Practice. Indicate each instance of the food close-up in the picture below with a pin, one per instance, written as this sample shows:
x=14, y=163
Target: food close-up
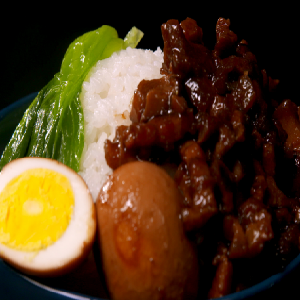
x=167, y=174
x=48, y=220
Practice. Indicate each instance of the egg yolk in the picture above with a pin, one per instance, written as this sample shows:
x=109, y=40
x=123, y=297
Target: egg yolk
x=35, y=209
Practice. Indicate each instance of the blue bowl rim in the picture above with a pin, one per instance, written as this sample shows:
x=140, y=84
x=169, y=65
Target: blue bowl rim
x=244, y=294
x=24, y=100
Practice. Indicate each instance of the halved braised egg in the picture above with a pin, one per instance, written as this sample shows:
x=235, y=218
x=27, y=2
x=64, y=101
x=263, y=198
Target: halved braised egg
x=47, y=217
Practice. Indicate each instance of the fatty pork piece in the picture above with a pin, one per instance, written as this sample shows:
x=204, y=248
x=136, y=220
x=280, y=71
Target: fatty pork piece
x=145, y=253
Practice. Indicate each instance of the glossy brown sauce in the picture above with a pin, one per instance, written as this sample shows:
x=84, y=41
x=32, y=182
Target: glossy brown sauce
x=213, y=115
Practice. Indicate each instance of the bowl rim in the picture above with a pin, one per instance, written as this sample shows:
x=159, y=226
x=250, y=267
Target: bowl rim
x=62, y=294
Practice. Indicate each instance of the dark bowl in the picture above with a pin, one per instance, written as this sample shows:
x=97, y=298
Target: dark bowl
x=14, y=285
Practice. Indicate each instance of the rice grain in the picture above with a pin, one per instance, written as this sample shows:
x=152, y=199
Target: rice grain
x=106, y=99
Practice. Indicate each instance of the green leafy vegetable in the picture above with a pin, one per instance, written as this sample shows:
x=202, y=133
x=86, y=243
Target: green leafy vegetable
x=18, y=143
x=133, y=37
x=53, y=125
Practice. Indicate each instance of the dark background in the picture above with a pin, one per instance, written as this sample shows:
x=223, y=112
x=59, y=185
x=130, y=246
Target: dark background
x=34, y=40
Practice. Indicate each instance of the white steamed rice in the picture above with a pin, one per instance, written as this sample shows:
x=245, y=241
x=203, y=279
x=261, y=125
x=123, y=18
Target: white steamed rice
x=106, y=99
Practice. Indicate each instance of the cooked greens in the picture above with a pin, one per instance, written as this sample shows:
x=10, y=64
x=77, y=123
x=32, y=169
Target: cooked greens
x=53, y=125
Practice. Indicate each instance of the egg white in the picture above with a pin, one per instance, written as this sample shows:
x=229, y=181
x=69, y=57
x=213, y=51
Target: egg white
x=76, y=242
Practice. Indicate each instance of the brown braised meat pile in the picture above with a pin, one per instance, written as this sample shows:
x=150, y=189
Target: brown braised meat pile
x=214, y=115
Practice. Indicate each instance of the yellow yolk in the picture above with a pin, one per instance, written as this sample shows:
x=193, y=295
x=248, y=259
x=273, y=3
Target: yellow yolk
x=35, y=209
